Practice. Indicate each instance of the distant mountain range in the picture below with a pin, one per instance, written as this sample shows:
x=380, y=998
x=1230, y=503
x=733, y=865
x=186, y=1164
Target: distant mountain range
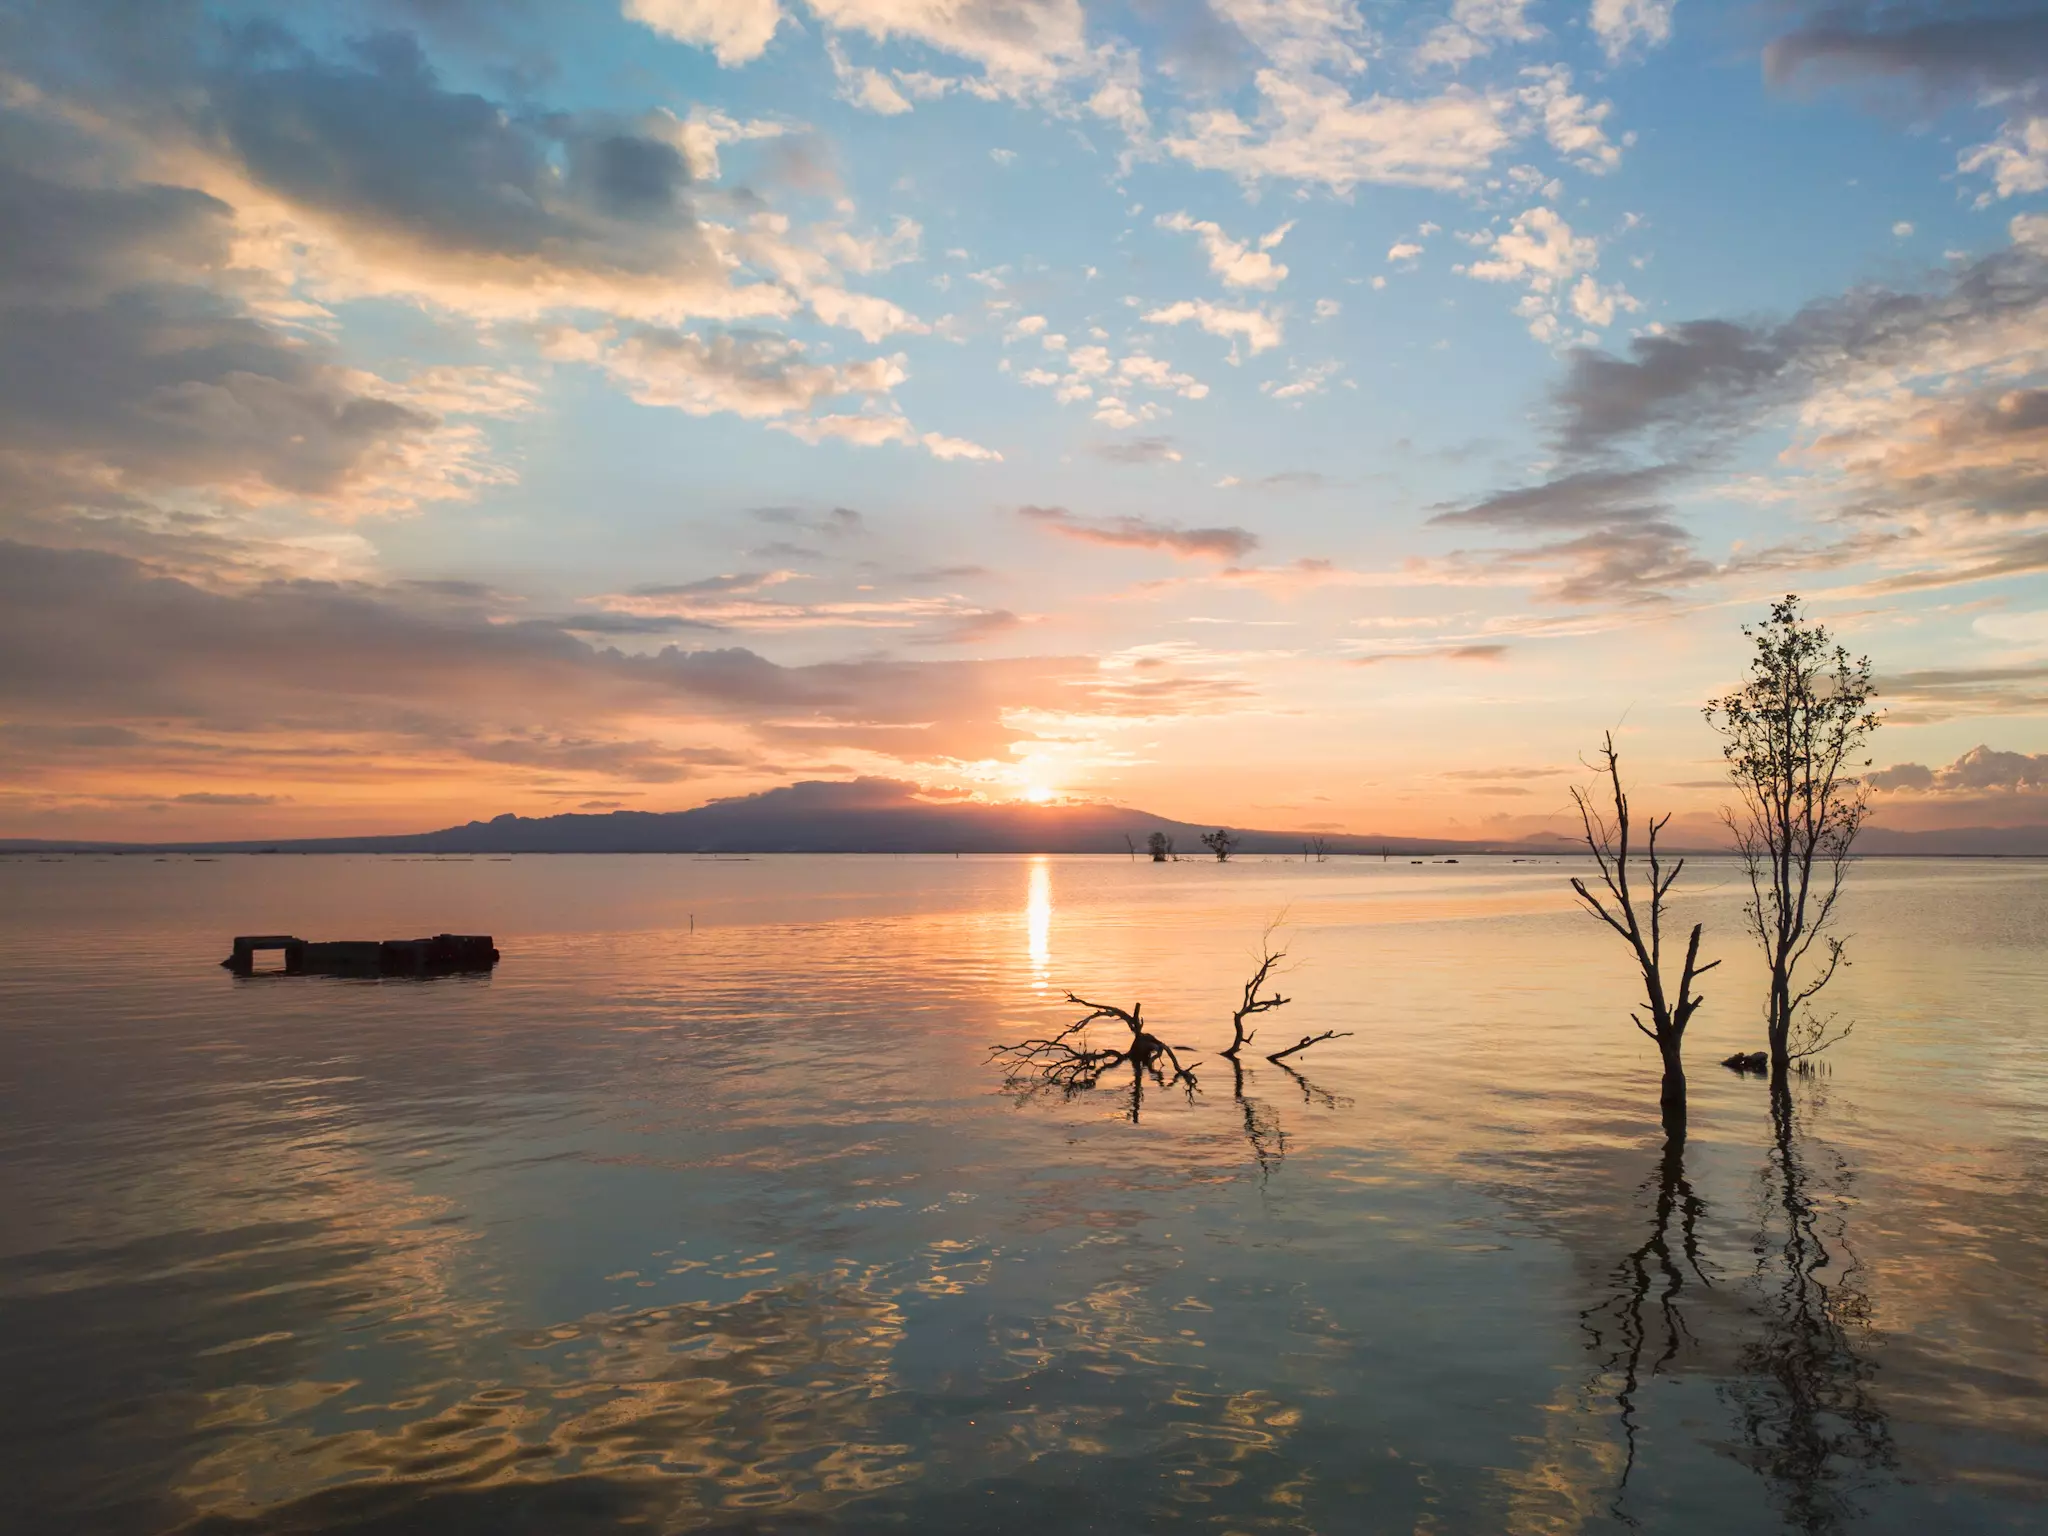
x=891, y=816
x=846, y=816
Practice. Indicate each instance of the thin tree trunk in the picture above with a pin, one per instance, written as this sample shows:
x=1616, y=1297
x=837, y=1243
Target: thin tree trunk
x=1780, y=1023
x=1671, y=1100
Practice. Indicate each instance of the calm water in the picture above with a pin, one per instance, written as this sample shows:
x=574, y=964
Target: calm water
x=737, y=1230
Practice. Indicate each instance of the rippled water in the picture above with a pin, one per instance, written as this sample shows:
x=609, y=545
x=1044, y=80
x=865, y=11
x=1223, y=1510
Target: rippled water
x=707, y=1212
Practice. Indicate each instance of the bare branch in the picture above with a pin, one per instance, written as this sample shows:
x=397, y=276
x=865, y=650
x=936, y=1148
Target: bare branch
x=1308, y=1040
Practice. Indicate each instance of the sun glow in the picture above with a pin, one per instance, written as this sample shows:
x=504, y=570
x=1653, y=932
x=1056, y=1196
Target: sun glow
x=1037, y=794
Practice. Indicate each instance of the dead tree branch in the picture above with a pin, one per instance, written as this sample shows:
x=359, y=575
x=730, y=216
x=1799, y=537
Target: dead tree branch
x=1308, y=1040
x=1252, y=1004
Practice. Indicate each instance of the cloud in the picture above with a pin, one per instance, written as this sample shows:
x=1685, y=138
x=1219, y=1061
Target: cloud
x=206, y=797
x=1240, y=264
x=1977, y=771
x=1596, y=304
x=750, y=373
x=1540, y=249
x=838, y=523
x=1622, y=544
x=2016, y=161
x=736, y=31
x=1504, y=773
x=1938, y=53
x=1473, y=652
x=1940, y=49
x=352, y=171
x=1258, y=329
x=1625, y=27
x=1475, y=28
x=1571, y=123
x=1019, y=44
x=1934, y=694
x=872, y=319
x=136, y=372
x=1139, y=450
x=1311, y=129
x=1699, y=369
x=97, y=640
x=1144, y=533
x=975, y=628
x=1587, y=498
x=1303, y=382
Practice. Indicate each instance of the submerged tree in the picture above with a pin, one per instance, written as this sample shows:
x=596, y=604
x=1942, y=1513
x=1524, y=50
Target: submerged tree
x=1069, y=1063
x=1797, y=730
x=1670, y=1009
x=1161, y=847
x=1250, y=1005
x=1222, y=842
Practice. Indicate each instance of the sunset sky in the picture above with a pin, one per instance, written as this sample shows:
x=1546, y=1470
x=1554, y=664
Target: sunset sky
x=1295, y=413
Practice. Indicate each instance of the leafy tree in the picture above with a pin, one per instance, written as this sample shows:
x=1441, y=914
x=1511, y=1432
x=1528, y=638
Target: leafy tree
x=1222, y=842
x=1796, y=732
x=1161, y=846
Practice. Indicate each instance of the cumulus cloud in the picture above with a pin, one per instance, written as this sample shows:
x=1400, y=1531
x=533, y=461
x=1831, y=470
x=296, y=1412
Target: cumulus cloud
x=749, y=373
x=1310, y=128
x=1240, y=264
x=1255, y=327
x=1145, y=533
x=1625, y=27
x=1475, y=28
x=1540, y=249
x=2016, y=161
x=867, y=87
x=736, y=31
x=761, y=375
x=1572, y=123
x=1978, y=771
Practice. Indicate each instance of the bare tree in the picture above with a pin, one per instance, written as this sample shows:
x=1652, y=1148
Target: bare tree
x=1253, y=1004
x=1161, y=846
x=1321, y=845
x=1222, y=842
x=1068, y=1063
x=1609, y=843
x=1797, y=730
x=1131, y=846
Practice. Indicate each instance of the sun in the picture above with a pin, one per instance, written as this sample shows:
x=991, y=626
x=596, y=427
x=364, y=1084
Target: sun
x=1038, y=794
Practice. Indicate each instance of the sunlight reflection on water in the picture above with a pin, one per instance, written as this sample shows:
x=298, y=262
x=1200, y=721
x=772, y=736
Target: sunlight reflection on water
x=1038, y=918
x=684, y=1230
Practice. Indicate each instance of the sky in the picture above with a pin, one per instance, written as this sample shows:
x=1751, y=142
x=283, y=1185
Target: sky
x=1311, y=414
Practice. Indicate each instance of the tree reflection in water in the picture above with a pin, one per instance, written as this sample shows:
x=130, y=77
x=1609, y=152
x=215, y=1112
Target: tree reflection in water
x=1799, y=1378
x=1804, y=1400
x=1640, y=1329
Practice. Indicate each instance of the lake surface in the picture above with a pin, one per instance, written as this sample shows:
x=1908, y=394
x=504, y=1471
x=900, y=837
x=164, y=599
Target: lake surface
x=707, y=1212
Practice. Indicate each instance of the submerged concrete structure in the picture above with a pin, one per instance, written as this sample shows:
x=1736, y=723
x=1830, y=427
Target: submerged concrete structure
x=443, y=954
